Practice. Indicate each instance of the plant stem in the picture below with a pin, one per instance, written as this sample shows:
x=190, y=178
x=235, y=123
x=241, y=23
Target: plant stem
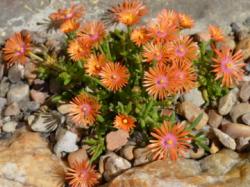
x=36, y=57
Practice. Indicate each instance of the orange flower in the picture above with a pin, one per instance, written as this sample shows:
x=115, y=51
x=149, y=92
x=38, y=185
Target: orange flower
x=185, y=77
x=185, y=21
x=139, y=36
x=129, y=12
x=170, y=141
x=69, y=26
x=94, y=64
x=183, y=50
x=216, y=33
x=81, y=174
x=17, y=48
x=228, y=67
x=124, y=122
x=93, y=31
x=158, y=81
x=78, y=49
x=75, y=12
x=169, y=16
x=114, y=76
x=84, y=109
x=162, y=31
x=154, y=52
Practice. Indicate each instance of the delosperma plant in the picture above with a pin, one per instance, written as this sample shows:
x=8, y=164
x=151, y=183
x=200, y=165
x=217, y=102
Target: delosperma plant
x=124, y=78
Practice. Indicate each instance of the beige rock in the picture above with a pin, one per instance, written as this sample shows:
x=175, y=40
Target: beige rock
x=26, y=160
x=226, y=103
x=245, y=91
x=244, y=45
x=197, y=154
x=214, y=119
x=191, y=112
x=127, y=152
x=236, y=130
x=214, y=148
x=142, y=156
x=77, y=156
x=225, y=139
x=38, y=96
x=64, y=109
x=246, y=118
x=243, y=144
x=239, y=110
x=116, y=139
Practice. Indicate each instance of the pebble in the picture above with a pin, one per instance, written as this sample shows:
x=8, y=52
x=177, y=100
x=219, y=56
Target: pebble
x=3, y=102
x=225, y=139
x=245, y=91
x=244, y=45
x=127, y=152
x=1, y=71
x=4, y=87
x=226, y=103
x=18, y=92
x=243, y=144
x=142, y=156
x=16, y=73
x=195, y=97
x=214, y=148
x=239, y=110
x=246, y=118
x=38, y=96
x=116, y=139
x=236, y=130
x=9, y=126
x=12, y=109
x=64, y=109
x=77, y=156
x=197, y=154
x=214, y=119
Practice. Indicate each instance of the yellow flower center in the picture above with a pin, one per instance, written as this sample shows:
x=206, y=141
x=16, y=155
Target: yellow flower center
x=127, y=18
x=170, y=142
x=125, y=121
x=229, y=65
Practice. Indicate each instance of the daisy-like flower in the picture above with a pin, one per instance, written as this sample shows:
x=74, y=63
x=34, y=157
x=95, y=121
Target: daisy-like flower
x=155, y=52
x=124, y=122
x=17, y=48
x=78, y=49
x=185, y=21
x=170, y=141
x=84, y=109
x=228, y=66
x=216, y=33
x=81, y=174
x=129, y=12
x=185, y=77
x=169, y=16
x=183, y=50
x=69, y=26
x=158, y=81
x=139, y=36
x=114, y=76
x=94, y=64
x=93, y=31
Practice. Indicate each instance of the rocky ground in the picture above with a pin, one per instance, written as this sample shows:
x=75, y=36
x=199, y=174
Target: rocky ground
x=30, y=150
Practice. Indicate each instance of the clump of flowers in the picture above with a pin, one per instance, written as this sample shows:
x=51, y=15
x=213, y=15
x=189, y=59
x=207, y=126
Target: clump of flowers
x=124, y=79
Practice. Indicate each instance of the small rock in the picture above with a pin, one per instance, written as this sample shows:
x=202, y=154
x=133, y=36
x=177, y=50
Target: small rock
x=214, y=119
x=226, y=103
x=18, y=93
x=246, y=118
x=229, y=42
x=195, y=97
x=214, y=148
x=1, y=71
x=202, y=36
x=244, y=45
x=3, y=102
x=197, y=154
x=127, y=152
x=16, y=73
x=30, y=106
x=114, y=165
x=12, y=109
x=236, y=130
x=30, y=72
x=54, y=86
x=77, y=156
x=239, y=110
x=9, y=126
x=64, y=109
x=243, y=144
x=38, y=37
x=66, y=143
x=38, y=96
x=191, y=112
x=4, y=87
x=225, y=139
x=245, y=91
x=116, y=139
x=142, y=156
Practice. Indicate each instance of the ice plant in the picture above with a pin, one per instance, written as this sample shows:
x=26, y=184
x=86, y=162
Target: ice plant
x=170, y=141
x=129, y=12
x=114, y=76
x=185, y=21
x=124, y=122
x=155, y=52
x=17, y=48
x=228, y=66
x=158, y=81
x=78, y=49
x=94, y=64
x=169, y=16
x=83, y=110
x=139, y=36
x=216, y=33
x=81, y=174
x=183, y=49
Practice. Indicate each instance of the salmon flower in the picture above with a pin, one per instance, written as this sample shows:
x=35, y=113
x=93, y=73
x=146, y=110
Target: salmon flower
x=228, y=66
x=69, y=26
x=158, y=81
x=216, y=33
x=185, y=21
x=169, y=16
x=183, y=50
x=94, y=64
x=155, y=52
x=78, y=49
x=81, y=174
x=114, y=76
x=17, y=48
x=170, y=141
x=129, y=12
x=139, y=36
x=83, y=110
x=124, y=122
x=93, y=32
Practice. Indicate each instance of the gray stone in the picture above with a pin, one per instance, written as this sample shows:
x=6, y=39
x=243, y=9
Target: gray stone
x=12, y=109
x=127, y=152
x=226, y=103
x=3, y=102
x=239, y=110
x=4, y=87
x=225, y=139
x=245, y=91
x=18, y=92
x=243, y=144
x=214, y=119
x=29, y=106
x=142, y=156
x=195, y=97
x=15, y=73
x=1, y=71
x=10, y=126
